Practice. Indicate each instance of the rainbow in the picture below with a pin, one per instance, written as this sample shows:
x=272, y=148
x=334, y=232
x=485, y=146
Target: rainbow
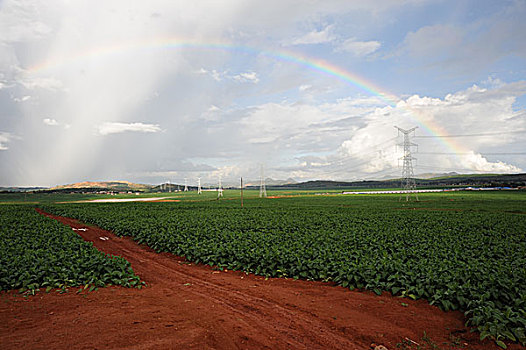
x=318, y=65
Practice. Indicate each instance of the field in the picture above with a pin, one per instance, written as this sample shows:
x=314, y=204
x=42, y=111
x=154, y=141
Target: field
x=40, y=253
x=461, y=251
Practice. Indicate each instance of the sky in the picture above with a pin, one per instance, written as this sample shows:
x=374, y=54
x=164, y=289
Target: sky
x=156, y=91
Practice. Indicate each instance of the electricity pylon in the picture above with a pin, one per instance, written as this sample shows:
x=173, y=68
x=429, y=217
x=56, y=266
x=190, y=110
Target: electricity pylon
x=262, y=187
x=199, y=191
x=220, y=189
x=408, y=180
x=185, y=185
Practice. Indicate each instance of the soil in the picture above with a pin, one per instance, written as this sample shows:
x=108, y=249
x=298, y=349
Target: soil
x=188, y=306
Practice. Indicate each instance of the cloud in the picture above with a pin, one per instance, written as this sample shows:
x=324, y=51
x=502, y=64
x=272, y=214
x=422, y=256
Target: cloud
x=20, y=21
x=436, y=43
x=477, y=162
x=272, y=109
x=327, y=36
x=467, y=48
x=116, y=128
x=22, y=99
x=473, y=111
x=249, y=77
x=316, y=37
x=5, y=139
x=32, y=83
x=358, y=48
x=50, y=122
x=54, y=122
x=244, y=77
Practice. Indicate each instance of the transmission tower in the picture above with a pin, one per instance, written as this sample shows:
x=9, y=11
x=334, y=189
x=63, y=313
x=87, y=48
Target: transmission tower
x=262, y=187
x=408, y=181
x=185, y=185
x=220, y=189
x=199, y=191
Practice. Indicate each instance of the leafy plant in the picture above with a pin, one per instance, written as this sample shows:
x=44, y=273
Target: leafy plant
x=38, y=252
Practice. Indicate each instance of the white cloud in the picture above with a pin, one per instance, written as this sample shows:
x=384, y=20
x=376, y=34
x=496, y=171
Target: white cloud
x=249, y=77
x=244, y=77
x=358, y=48
x=50, y=122
x=472, y=111
x=5, y=139
x=315, y=37
x=216, y=75
x=21, y=21
x=477, y=162
x=21, y=99
x=54, y=122
x=116, y=128
x=32, y=83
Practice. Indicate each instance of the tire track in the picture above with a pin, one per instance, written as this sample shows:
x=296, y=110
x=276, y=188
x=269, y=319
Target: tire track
x=196, y=306
x=264, y=316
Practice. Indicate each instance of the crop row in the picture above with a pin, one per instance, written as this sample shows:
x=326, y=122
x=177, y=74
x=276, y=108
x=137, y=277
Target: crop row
x=38, y=252
x=470, y=261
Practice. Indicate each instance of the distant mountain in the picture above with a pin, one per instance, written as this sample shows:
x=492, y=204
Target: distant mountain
x=270, y=182
x=103, y=185
x=435, y=175
x=450, y=180
x=422, y=180
x=21, y=189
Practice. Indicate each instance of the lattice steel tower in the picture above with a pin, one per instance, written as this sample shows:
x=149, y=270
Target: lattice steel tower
x=185, y=185
x=408, y=180
x=199, y=191
x=219, y=189
x=262, y=187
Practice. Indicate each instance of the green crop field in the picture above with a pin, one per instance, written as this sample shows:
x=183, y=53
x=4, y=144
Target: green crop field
x=460, y=251
x=38, y=252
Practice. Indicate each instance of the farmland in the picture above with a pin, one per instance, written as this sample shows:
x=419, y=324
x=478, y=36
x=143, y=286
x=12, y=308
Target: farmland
x=37, y=252
x=460, y=251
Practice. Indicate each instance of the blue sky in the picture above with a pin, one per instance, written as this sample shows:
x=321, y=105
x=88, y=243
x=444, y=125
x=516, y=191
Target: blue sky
x=133, y=109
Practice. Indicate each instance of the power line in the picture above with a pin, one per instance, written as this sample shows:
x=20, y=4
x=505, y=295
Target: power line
x=353, y=155
x=448, y=169
x=472, y=135
x=483, y=153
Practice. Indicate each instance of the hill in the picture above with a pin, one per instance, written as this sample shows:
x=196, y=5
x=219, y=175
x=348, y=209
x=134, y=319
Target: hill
x=478, y=180
x=91, y=186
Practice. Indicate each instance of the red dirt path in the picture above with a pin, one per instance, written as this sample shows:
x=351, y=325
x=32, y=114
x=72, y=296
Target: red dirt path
x=194, y=306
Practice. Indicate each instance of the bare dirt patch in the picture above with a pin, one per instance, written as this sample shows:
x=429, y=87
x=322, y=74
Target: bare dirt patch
x=198, y=307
